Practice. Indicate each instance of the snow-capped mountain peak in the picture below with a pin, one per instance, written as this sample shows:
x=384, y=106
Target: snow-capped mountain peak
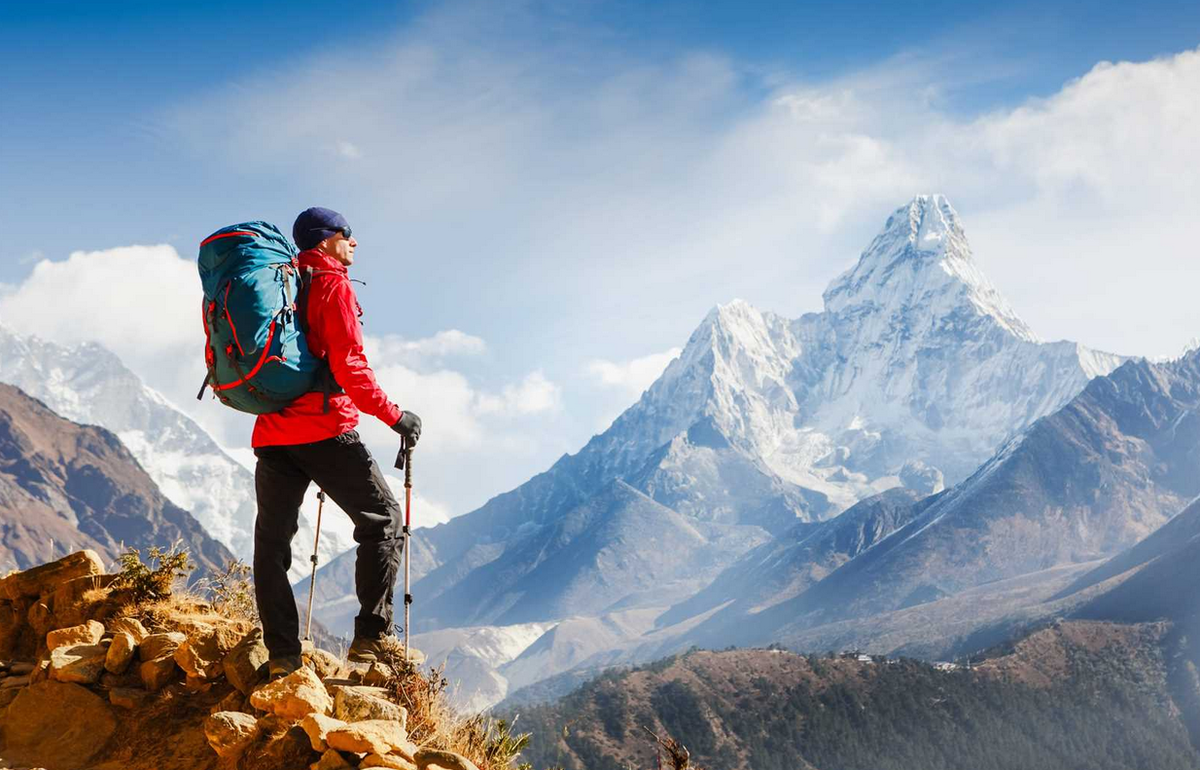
x=920, y=265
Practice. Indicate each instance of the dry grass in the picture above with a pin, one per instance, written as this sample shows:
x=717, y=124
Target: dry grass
x=433, y=722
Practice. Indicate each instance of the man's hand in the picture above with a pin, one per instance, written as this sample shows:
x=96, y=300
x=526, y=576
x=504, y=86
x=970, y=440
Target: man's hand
x=408, y=426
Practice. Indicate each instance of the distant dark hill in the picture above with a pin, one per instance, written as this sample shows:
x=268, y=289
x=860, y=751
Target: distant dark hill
x=1078, y=695
x=65, y=487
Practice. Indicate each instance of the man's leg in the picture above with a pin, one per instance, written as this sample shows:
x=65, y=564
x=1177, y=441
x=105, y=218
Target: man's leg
x=344, y=468
x=280, y=485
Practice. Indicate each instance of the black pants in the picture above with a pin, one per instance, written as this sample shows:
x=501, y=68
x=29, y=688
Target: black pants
x=344, y=468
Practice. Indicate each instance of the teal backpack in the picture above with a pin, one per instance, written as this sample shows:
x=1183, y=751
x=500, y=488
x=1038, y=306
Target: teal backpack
x=254, y=349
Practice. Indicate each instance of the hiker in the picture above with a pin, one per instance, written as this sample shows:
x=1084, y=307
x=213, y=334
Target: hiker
x=314, y=439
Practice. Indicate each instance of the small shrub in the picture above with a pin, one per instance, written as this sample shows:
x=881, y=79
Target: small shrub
x=232, y=591
x=140, y=582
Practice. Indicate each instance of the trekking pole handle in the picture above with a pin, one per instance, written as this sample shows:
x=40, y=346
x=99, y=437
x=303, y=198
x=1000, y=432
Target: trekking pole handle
x=408, y=467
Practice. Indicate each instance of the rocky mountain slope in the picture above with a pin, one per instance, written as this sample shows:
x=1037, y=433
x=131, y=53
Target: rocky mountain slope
x=65, y=487
x=88, y=384
x=914, y=374
x=1078, y=486
x=1076, y=695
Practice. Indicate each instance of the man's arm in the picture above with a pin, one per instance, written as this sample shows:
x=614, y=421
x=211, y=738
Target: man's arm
x=339, y=328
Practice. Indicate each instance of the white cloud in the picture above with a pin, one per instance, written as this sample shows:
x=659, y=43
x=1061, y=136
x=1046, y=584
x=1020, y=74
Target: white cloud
x=533, y=395
x=634, y=375
x=451, y=342
x=623, y=196
x=143, y=303
x=348, y=150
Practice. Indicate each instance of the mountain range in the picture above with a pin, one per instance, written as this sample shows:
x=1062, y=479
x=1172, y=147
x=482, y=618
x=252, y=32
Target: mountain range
x=66, y=487
x=88, y=384
x=768, y=457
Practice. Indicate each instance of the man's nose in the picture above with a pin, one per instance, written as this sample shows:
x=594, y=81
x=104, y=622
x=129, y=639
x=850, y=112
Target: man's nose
x=353, y=243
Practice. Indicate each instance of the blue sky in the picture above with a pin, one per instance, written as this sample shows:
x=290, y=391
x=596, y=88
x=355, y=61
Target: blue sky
x=549, y=196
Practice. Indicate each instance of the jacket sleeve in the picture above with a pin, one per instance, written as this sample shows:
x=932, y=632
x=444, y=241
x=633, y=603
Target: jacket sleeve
x=339, y=329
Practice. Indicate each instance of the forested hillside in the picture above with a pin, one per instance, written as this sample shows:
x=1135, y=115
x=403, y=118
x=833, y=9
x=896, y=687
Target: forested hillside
x=1072, y=696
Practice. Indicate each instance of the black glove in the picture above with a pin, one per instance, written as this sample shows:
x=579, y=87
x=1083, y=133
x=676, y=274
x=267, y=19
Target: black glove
x=409, y=427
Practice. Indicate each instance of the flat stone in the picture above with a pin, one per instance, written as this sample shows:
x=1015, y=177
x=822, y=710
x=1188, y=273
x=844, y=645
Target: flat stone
x=374, y=736
x=394, y=761
x=55, y=724
x=158, y=673
x=131, y=626
x=358, y=704
x=159, y=645
x=245, y=664
x=80, y=663
x=87, y=633
x=332, y=759
x=12, y=682
x=127, y=697
x=295, y=696
x=42, y=579
x=120, y=653
x=447, y=760
x=18, y=667
x=290, y=750
x=230, y=732
x=317, y=727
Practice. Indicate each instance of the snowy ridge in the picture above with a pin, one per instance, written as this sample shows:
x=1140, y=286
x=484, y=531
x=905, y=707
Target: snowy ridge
x=89, y=384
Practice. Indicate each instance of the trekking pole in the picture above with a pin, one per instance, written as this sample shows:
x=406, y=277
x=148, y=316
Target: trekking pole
x=407, y=539
x=312, y=581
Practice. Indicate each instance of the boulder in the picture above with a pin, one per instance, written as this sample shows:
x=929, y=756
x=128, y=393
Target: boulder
x=87, y=633
x=378, y=675
x=245, y=665
x=45, y=578
x=332, y=759
x=55, y=724
x=40, y=617
x=325, y=663
x=427, y=759
x=68, y=594
x=80, y=663
x=131, y=626
x=290, y=750
x=388, y=760
x=234, y=701
x=317, y=726
x=202, y=654
x=7, y=696
x=295, y=696
x=120, y=653
x=160, y=645
x=374, y=736
x=230, y=732
x=127, y=697
x=158, y=673
x=358, y=704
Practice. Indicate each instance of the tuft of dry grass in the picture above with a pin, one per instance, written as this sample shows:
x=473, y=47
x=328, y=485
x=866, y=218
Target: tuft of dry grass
x=490, y=743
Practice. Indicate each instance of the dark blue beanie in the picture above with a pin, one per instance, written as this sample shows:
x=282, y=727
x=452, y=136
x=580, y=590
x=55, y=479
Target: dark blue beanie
x=315, y=225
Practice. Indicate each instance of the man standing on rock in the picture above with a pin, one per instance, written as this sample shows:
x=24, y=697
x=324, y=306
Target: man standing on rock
x=314, y=440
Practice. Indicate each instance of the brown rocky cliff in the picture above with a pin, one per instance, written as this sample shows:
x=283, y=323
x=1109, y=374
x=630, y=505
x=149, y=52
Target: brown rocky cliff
x=65, y=487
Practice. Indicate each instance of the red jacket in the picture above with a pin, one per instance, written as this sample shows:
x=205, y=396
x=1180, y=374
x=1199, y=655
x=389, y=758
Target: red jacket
x=334, y=334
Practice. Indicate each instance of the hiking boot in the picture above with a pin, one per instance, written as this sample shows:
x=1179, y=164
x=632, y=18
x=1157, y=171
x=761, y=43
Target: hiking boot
x=368, y=650
x=281, y=667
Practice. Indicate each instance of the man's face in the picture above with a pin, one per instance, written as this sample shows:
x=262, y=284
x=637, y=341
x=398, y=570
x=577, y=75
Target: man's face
x=339, y=247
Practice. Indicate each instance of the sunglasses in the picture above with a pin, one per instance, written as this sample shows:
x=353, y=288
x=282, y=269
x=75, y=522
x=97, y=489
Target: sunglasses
x=345, y=231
